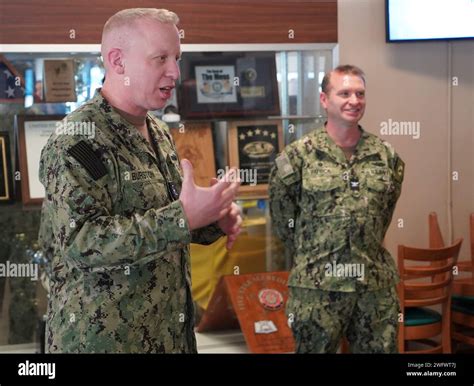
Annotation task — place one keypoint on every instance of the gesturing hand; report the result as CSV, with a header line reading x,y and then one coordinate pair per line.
x,y
203,206
231,222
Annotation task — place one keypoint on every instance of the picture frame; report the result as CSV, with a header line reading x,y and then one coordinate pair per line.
x,y
6,171
33,133
228,85
253,147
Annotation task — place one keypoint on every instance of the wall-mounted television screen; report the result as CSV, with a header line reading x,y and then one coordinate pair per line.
x,y
408,20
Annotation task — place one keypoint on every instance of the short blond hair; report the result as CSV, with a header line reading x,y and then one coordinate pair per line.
x,y
129,16
126,18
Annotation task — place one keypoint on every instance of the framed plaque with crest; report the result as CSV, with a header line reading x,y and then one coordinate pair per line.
x,y
256,302
253,147
228,84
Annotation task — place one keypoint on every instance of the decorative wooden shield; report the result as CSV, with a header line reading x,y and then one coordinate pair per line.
x,y
257,301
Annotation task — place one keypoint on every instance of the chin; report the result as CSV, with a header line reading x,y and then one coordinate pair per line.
x,y
354,119
157,105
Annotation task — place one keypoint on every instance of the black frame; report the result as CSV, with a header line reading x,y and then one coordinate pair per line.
x,y
261,67
387,32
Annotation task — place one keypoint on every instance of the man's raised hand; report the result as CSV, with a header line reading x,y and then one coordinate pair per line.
x,y
203,206
231,222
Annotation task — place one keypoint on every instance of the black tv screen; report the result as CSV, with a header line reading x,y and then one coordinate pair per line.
x,y
408,20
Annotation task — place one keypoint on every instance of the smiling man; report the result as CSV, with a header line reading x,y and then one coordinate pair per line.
x,y
332,197
120,210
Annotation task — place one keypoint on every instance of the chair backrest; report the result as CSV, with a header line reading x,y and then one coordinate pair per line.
x,y
435,236
435,240
427,292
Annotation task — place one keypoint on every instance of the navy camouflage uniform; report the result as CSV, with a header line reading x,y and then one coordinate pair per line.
x,y
119,238
334,212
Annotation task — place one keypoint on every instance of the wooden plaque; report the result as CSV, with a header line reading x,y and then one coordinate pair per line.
x,y
194,142
253,147
258,301
59,82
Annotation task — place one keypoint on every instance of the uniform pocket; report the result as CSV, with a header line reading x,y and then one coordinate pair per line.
x,y
378,178
321,194
376,187
377,184
323,183
142,190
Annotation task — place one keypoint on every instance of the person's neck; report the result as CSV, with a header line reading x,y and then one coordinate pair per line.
x,y
343,135
137,117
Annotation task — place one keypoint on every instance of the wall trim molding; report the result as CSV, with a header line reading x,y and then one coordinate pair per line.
x,y
95,48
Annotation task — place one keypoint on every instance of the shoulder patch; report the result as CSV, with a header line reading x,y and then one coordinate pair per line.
x,y
399,169
390,148
284,166
85,155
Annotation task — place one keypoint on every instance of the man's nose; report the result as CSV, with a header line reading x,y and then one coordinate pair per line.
x,y
353,99
173,70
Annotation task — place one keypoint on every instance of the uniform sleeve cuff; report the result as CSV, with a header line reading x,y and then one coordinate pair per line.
x,y
179,235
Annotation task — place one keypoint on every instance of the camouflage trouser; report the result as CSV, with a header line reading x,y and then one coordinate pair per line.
x,y
368,319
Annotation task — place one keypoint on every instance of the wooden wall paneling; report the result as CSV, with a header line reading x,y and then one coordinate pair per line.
x,y
203,21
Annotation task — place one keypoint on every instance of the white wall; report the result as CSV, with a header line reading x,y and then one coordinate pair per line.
x,y
409,82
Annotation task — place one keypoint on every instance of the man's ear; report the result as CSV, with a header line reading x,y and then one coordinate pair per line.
x,y
323,98
116,62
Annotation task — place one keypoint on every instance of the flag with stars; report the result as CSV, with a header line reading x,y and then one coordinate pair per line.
x,y
11,84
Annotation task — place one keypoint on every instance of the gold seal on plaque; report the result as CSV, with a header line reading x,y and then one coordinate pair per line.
x,y
258,149
251,74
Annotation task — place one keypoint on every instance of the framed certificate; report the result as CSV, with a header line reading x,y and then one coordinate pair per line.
x,y
228,85
253,147
33,133
6,181
215,84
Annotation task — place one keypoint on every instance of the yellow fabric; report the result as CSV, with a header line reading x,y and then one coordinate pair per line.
x,y
209,263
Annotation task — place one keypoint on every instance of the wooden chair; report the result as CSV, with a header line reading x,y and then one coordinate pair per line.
x,y
419,323
462,306
462,301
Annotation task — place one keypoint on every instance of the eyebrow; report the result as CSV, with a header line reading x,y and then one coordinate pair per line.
x,y
350,89
163,53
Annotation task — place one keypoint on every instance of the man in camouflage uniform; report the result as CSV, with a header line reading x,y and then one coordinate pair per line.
x,y
118,212
332,196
